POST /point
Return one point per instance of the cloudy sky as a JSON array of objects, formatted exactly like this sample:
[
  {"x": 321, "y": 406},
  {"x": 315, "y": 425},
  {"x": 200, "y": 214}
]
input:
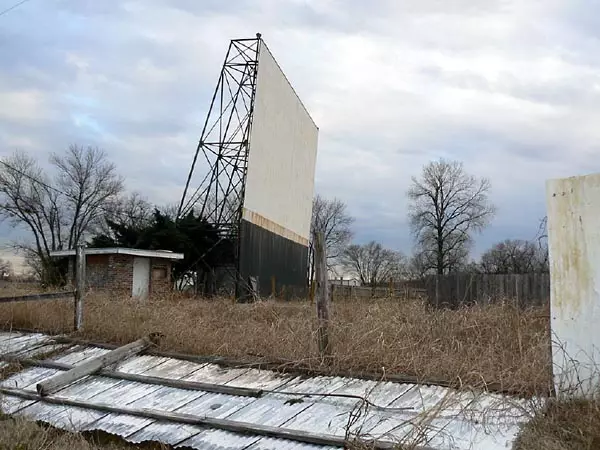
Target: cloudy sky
[{"x": 511, "y": 88}]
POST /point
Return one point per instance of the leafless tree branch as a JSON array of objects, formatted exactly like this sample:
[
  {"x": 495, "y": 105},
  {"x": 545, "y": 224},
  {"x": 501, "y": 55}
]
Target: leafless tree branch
[
  {"x": 372, "y": 263},
  {"x": 331, "y": 218},
  {"x": 447, "y": 206}
]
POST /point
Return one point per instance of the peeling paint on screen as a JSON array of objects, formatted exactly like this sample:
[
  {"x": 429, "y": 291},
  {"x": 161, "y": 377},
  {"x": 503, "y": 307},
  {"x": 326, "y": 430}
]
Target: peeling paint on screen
[{"x": 574, "y": 247}]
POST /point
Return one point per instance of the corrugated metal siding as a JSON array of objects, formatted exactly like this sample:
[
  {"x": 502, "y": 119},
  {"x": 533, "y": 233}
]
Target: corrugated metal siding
[
  {"x": 264, "y": 254},
  {"x": 458, "y": 415},
  {"x": 26, "y": 345}
]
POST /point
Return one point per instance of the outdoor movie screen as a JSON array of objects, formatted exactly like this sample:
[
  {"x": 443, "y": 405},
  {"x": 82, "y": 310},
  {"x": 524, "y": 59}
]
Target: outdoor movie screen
[{"x": 281, "y": 157}]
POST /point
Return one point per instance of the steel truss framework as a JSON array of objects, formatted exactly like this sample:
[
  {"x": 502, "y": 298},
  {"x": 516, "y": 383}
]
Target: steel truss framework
[{"x": 224, "y": 142}]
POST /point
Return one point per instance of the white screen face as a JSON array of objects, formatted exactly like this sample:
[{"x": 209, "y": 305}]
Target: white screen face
[{"x": 282, "y": 156}]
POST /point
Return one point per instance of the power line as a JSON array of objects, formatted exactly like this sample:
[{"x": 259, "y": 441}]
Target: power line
[
  {"x": 32, "y": 178},
  {"x": 47, "y": 186},
  {"x": 16, "y": 5}
]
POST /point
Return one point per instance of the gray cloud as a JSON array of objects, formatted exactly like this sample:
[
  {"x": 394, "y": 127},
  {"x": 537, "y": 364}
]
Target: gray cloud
[{"x": 510, "y": 88}]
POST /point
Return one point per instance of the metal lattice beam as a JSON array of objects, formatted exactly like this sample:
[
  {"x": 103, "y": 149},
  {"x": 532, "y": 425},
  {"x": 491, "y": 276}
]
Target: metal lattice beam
[{"x": 222, "y": 153}]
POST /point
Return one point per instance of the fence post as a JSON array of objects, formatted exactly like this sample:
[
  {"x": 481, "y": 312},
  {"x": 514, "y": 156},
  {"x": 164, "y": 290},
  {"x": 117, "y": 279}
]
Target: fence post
[
  {"x": 79, "y": 286},
  {"x": 322, "y": 295}
]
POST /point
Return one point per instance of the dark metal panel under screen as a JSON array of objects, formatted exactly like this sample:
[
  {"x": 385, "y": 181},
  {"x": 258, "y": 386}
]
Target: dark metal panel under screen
[{"x": 269, "y": 256}]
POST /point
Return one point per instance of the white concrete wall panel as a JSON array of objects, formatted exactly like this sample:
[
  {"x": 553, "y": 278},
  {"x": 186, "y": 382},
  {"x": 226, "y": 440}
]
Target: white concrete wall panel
[
  {"x": 574, "y": 244},
  {"x": 282, "y": 156}
]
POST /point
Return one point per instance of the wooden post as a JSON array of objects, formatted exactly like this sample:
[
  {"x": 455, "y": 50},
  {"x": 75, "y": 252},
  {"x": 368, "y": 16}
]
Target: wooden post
[
  {"x": 273, "y": 287},
  {"x": 322, "y": 295},
  {"x": 312, "y": 291},
  {"x": 79, "y": 286}
]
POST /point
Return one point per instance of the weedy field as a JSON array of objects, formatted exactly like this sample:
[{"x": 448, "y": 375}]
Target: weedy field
[
  {"x": 19, "y": 434},
  {"x": 496, "y": 346}
]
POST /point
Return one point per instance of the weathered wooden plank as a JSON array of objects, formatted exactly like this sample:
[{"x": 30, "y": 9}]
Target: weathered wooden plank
[
  {"x": 169, "y": 382},
  {"x": 94, "y": 365}
]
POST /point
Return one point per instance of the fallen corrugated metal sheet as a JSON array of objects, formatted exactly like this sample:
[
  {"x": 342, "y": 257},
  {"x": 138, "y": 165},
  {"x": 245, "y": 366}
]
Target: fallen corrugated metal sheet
[
  {"x": 433, "y": 416},
  {"x": 26, "y": 345}
]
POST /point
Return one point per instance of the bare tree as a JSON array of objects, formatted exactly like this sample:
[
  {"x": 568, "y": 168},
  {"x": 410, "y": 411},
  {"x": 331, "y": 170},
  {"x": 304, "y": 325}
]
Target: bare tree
[
  {"x": 88, "y": 182},
  {"x": 514, "y": 256},
  {"x": 130, "y": 210},
  {"x": 541, "y": 239},
  {"x": 372, "y": 263},
  {"x": 447, "y": 206},
  {"x": 57, "y": 209},
  {"x": 331, "y": 218},
  {"x": 417, "y": 266}
]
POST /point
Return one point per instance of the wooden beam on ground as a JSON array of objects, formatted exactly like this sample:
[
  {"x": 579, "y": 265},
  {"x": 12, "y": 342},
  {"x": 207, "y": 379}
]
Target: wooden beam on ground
[
  {"x": 94, "y": 365},
  {"x": 189, "y": 419},
  {"x": 36, "y": 297},
  {"x": 179, "y": 384}
]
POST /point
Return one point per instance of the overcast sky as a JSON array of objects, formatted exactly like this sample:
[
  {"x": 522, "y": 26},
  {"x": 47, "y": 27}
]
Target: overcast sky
[{"x": 511, "y": 88}]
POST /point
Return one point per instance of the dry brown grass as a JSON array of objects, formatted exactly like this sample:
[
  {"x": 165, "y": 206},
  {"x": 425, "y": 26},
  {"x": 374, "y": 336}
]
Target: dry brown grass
[
  {"x": 19, "y": 434},
  {"x": 14, "y": 288},
  {"x": 493, "y": 345},
  {"x": 563, "y": 425}
]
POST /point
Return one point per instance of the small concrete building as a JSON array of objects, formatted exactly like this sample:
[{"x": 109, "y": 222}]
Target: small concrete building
[{"x": 124, "y": 271}]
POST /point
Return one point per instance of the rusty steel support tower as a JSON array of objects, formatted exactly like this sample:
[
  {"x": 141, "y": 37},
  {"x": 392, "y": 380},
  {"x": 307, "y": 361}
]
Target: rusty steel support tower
[{"x": 222, "y": 150}]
